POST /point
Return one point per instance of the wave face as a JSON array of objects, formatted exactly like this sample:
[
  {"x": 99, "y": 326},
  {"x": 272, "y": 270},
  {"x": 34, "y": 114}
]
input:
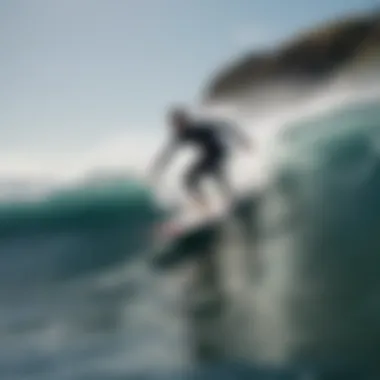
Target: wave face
[
  {"x": 317, "y": 299},
  {"x": 303, "y": 292}
]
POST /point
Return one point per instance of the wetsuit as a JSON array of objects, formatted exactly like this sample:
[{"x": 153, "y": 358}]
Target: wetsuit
[
  {"x": 210, "y": 139},
  {"x": 213, "y": 152}
]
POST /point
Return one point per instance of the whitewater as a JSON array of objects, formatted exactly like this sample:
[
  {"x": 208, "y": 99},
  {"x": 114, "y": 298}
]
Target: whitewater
[{"x": 78, "y": 297}]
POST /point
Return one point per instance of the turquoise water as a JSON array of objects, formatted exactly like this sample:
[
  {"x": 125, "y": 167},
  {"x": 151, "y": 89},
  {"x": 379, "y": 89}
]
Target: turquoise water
[
  {"x": 79, "y": 302},
  {"x": 84, "y": 228},
  {"x": 318, "y": 239}
]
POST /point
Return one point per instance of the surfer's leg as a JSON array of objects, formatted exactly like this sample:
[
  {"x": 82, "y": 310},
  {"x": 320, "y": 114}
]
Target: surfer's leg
[
  {"x": 225, "y": 186},
  {"x": 192, "y": 183},
  {"x": 219, "y": 172}
]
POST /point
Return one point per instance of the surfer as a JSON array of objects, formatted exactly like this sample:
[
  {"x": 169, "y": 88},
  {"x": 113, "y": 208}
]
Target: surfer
[{"x": 210, "y": 138}]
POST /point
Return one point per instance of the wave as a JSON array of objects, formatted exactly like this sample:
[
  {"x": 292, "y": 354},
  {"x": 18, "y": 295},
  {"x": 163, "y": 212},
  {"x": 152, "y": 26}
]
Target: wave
[
  {"x": 316, "y": 251},
  {"x": 86, "y": 205},
  {"x": 308, "y": 280},
  {"x": 76, "y": 228}
]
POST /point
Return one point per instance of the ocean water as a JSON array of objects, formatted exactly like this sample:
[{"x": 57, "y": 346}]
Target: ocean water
[
  {"x": 79, "y": 299},
  {"x": 317, "y": 240}
]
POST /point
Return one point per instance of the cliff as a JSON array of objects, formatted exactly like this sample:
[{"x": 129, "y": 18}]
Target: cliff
[{"x": 310, "y": 56}]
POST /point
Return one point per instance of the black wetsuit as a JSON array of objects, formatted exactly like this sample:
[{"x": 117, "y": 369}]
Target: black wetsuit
[
  {"x": 213, "y": 151},
  {"x": 210, "y": 139}
]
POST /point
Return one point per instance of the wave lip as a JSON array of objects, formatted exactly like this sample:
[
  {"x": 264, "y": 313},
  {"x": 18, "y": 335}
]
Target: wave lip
[{"x": 88, "y": 204}]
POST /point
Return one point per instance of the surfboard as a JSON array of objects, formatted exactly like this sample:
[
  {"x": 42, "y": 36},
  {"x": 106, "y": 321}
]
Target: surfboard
[{"x": 183, "y": 239}]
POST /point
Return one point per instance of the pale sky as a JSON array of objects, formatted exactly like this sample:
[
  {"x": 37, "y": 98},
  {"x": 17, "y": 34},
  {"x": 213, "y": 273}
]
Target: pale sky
[{"x": 76, "y": 72}]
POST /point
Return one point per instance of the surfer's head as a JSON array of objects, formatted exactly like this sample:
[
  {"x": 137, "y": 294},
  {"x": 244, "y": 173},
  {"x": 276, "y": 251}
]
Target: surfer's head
[{"x": 179, "y": 117}]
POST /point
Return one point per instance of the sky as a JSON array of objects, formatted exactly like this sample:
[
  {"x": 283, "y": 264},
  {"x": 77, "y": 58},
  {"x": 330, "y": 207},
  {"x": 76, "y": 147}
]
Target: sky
[{"x": 79, "y": 75}]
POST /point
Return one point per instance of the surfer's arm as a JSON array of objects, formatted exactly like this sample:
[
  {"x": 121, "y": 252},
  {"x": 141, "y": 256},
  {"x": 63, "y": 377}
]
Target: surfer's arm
[{"x": 163, "y": 158}]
